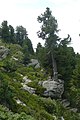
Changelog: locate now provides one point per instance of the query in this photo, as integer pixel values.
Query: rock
(26, 80)
(62, 118)
(14, 58)
(29, 89)
(54, 89)
(3, 52)
(25, 86)
(34, 62)
(20, 102)
(20, 74)
(37, 65)
(65, 103)
(40, 83)
(74, 110)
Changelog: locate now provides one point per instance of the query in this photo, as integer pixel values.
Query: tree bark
(54, 68)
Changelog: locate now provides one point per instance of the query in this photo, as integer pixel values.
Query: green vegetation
(17, 103)
(5, 114)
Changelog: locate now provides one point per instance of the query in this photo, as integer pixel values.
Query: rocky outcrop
(3, 52)
(26, 87)
(54, 89)
(34, 62)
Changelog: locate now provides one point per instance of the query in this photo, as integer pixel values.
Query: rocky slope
(26, 91)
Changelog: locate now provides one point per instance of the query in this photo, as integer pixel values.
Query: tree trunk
(54, 68)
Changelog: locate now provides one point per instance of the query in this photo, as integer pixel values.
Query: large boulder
(34, 62)
(3, 52)
(54, 89)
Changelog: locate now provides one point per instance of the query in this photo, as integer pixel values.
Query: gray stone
(40, 83)
(29, 89)
(3, 52)
(14, 58)
(34, 62)
(26, 87)
(74, 110)
(37, 66)
(54, 88)
(20, 102)
(62, 118)
(65, 103)
(26, 80)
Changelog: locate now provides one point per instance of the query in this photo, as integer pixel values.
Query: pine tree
(48, 33)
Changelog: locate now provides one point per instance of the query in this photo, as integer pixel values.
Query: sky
(25, 13)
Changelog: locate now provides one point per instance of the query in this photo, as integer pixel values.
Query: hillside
(21, 93)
